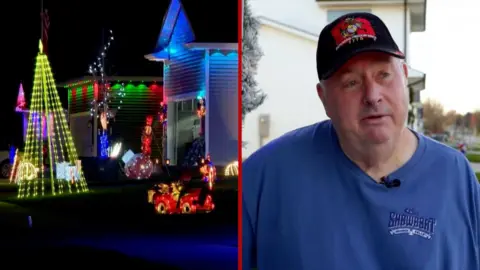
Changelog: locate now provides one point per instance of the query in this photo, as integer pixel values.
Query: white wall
(287, 71)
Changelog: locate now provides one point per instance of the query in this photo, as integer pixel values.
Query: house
(287, 71)
(200, 71)
(134, 99)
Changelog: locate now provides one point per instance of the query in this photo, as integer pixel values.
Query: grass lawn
(478, 176)
(124, 205)
(473, 158)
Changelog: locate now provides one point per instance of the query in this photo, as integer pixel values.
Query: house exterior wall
(310, 17)
(287, 74)
(287, 71)
(222, 107)
(139, 100)
(184, 73)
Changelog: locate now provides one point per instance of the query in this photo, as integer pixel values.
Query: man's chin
(377, 136)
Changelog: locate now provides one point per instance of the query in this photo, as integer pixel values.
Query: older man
(360, 191)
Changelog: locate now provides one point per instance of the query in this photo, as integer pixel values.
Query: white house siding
(287, 71)
(222, 107)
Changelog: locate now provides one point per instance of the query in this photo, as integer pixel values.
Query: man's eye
(385, 75)
(350, 84)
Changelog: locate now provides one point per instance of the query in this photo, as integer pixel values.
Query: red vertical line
(239, 195)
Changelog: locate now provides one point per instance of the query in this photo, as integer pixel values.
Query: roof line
(113, 78)
(290, 28)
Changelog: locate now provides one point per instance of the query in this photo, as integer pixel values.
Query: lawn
(113, 209)
(123, 204)
(473, 158)
(478, 176)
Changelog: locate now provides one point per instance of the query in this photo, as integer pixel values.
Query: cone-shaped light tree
(50, 162)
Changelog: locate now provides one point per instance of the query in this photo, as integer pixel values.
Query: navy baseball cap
(350, 35)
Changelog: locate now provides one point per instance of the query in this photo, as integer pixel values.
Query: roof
(111, 78)
(211, 22)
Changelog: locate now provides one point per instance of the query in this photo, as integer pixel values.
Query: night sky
(75, 39)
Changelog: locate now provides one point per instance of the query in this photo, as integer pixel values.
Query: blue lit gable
(176, 31)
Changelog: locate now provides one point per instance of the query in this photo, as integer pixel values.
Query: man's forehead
(365, 59)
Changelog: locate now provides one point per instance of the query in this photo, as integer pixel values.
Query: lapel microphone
(390, 183)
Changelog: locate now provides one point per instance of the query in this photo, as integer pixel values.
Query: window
(334, 14)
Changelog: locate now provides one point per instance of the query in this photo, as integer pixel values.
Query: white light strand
(97, 69)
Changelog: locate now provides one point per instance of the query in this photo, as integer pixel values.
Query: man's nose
(372, 94)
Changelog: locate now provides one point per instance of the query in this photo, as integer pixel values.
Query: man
(360, 191)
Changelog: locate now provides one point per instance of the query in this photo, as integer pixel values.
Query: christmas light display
(201, 107)
(231, 169)
(208, 170)
(162, 119)
(177, 198)
(140, 166)
(21, 102)
(97, 69)
(49, 141)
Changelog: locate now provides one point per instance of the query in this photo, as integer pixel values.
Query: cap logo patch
(352, 30)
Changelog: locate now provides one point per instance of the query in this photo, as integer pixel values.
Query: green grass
(473, 158)
(125, 205)
(478, 176)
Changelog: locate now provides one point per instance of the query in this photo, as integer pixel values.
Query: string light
(97, 69)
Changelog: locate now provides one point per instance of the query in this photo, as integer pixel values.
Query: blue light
(11, 155)
(104, 145)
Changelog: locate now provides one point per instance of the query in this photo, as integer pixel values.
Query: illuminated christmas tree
(50, 162)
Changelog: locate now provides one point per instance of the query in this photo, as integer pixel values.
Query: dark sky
(75, 39)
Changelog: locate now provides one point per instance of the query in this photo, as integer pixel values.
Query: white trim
(207, 100)
(289, 29)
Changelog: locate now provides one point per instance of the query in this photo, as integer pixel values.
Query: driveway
(475, 166)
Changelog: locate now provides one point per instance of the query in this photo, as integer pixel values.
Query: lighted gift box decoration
(68, 172)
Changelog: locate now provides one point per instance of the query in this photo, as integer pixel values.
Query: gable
(175, 28)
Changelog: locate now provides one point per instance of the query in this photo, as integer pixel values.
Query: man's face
(367, 98)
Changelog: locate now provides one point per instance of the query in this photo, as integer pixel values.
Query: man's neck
(380, 160)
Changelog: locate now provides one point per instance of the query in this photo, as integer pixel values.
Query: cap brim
(345, 58)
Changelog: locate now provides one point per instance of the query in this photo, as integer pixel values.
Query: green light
(45, 104)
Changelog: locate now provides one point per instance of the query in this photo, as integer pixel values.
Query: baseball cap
(349, 35)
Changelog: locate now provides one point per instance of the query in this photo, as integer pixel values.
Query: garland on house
(252, 97)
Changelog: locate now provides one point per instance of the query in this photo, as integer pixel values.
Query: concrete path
(476, 166)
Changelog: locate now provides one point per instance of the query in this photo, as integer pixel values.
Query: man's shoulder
(292, 143)
(447, 153)
(439, 155)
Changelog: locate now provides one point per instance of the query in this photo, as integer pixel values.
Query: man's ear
(321, 94)
(405, 69)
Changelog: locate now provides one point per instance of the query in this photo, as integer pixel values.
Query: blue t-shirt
(306, 206)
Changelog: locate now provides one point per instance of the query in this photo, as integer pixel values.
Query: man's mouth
(374, 117)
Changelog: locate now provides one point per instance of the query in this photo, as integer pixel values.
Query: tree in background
(434, 118)
(477, 120)
(252, 97)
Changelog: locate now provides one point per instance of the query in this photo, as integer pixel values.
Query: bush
(473, 158)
